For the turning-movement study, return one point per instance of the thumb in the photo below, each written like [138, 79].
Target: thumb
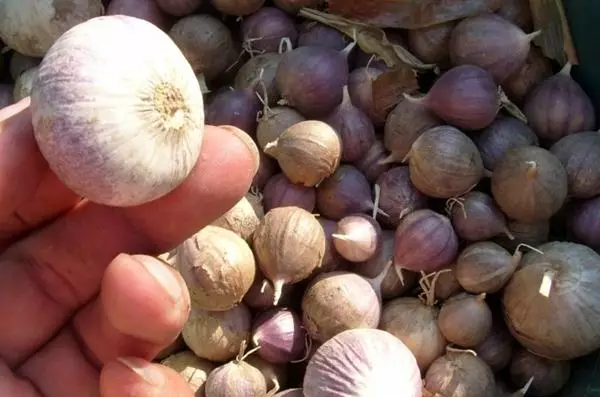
[134, 377]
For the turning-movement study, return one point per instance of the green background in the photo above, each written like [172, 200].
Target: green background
[584, 20]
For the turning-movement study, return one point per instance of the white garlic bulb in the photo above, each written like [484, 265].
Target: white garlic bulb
[117, 111]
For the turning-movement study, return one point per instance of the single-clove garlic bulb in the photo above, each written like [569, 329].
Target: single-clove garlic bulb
[119, 123]
[307, 152]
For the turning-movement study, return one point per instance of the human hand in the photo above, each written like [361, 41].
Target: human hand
[78, 317]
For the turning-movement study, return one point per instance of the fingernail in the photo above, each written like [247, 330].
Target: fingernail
[145, 370]
[163, 276]
[247, 141]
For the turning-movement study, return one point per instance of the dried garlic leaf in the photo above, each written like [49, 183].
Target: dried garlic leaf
[510, 107]
[390, 86]
[370, 39]
[555, 40]
[410, 14]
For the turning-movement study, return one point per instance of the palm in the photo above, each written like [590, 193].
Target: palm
[70, 305]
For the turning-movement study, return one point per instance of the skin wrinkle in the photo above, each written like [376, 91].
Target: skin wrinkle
[17, 227]
[21, 221]
[64, 348]
[15, 385]
[32, 220]
[54, 285]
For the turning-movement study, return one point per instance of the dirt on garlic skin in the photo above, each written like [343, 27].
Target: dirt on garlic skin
[217, 336]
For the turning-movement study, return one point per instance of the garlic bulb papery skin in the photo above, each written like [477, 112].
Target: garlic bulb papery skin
[363, 363]
[31, 26]
[117, 111]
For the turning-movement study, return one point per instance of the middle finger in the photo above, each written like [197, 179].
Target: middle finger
[141, 308]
